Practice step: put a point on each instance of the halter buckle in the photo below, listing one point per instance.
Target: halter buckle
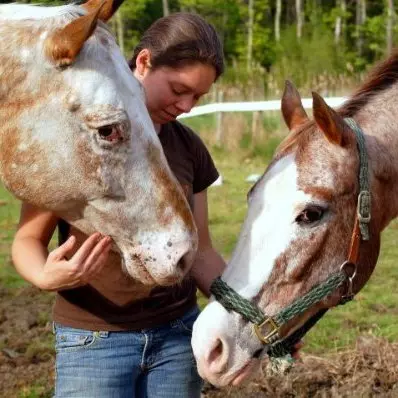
(267, 339)
(363, 206)
(350, 277)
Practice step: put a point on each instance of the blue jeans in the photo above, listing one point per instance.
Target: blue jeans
(149, 363)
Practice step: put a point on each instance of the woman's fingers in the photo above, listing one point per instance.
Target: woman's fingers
(97, 251)
(79, 258)
(97, 256)
(60, 252)
(98, 264)
(86, 262)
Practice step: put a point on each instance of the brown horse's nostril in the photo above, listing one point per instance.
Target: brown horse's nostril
(218, 356)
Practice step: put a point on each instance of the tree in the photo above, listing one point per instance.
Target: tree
(390, 24)
(278, 20)
(360, 20)
(166, 10)
(250, 35)
(300, 18)
(339, 27)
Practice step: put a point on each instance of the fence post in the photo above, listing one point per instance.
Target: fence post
(219, 117)
(256, 117)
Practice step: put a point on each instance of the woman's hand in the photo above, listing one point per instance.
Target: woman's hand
(60, 273)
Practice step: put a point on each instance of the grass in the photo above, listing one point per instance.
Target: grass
(374, 311)
(9, 210)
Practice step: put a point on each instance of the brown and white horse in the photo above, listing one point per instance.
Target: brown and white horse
(76, 137)
(300, 219)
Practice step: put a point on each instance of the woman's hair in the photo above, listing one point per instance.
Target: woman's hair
(181, 39)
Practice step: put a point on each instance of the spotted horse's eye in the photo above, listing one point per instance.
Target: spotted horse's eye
(111, 133)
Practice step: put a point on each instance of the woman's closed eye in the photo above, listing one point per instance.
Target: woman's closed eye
(178, 90)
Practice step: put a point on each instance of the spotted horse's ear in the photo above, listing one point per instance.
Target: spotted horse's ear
(63, 45)
(328, 120)
(292, 108)
(108, 8)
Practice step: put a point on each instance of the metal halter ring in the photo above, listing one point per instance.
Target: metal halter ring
(350, 278)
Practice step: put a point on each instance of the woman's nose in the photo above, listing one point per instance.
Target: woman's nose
(185, 104)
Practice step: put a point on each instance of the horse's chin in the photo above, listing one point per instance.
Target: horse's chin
(246, 373)
(141, 274)
(237, 378)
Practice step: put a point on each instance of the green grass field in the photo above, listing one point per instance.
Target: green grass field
(374, 310)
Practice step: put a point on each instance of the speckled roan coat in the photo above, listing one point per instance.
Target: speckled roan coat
(76, 138)
(301, 216)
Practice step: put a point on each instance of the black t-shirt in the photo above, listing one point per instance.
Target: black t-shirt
(115, 301)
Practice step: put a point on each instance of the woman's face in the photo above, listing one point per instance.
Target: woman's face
(173, 91)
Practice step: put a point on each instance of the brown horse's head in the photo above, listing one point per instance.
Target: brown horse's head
(296, 234)
(76, 137)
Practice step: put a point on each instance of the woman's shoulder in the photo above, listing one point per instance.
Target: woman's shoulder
(185, 134)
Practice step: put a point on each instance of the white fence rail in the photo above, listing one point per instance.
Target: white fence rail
(252, 106)
(255, 106)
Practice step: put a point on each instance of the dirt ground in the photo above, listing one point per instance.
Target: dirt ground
(26, 361)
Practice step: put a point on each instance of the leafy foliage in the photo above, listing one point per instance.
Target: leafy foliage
(320, 51)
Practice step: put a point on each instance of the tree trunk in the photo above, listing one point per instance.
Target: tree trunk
(166, 10)
(337, 24)
(390, 24)
(278, 20)
(250, 35)
(360, 20)
(344, 21)
(299, 16)
(120, 30)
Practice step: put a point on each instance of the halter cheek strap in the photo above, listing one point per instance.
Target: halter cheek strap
(267, 328)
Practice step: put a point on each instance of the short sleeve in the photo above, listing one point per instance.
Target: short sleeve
(205, 172)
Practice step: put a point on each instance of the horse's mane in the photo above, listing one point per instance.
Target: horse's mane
(383, 76)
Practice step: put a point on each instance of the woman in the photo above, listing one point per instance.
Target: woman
(114, 336)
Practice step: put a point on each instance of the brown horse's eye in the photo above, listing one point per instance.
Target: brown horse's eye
(310, 215)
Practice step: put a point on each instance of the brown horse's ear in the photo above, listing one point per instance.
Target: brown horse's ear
(328, 120)
(108, 9)
(63, 46)
(292, 108)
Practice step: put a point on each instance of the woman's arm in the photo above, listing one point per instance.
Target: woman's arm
(52, 271)
(208, 263)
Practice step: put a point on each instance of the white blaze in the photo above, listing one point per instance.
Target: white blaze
(268, 230)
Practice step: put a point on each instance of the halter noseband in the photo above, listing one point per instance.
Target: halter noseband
(267, 328)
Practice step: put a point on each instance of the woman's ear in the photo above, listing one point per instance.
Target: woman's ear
(143, 63)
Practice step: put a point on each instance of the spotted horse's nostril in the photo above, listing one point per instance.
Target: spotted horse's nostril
(184, 263)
